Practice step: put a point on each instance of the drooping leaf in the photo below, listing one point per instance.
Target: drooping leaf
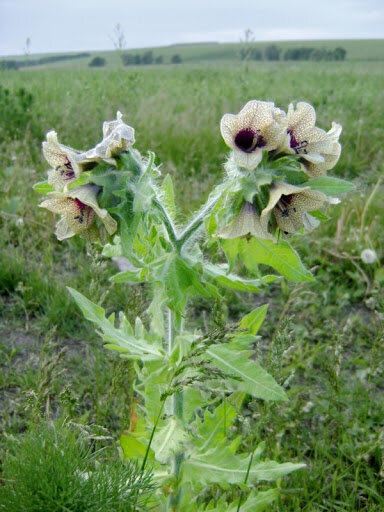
(253, 379)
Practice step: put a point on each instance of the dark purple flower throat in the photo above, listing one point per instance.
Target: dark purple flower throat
(248, 140)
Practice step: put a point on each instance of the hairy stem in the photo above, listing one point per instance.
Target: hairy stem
(197, 221)
(167, 221)
(175, 327)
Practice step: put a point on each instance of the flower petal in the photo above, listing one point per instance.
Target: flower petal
(245, 224)
(117, 137)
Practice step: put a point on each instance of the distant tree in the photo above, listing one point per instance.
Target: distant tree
(159, 59)
(176, 59)
(128, 59)
(272, 52)
(302, 53)
(9, 64)
(319, 54)
(137, 59)
(255, 54)
(97, 62)
(147, 57)
(339, 53)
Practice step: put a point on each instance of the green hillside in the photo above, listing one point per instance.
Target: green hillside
(357, 50)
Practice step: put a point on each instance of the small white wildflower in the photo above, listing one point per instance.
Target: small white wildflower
(368, 256)
(308, 407)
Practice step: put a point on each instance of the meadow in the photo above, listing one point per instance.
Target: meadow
(324, 338)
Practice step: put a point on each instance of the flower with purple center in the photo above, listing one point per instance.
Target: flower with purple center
(291, 205)
(319, 150)
(258, 127)
(79, 210)
(67, 163)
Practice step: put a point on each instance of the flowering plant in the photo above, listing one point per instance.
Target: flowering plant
(190, 384)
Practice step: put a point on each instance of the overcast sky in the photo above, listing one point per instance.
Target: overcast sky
(77, 25)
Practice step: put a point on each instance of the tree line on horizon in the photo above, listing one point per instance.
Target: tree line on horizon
(27, 62)
(274, 53)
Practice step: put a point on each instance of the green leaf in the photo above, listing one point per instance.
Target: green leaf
(168, 440)
(278, 255)
(221, 466)
(330, 186)
(133, 448)
(231, 250)
(83, 179)
(212, 429)
(43, 187)
(132, 276)
(123, 337)
(254, 380)
(182, 279)
(253, 321)
(134, 443)
(231, 281)
(255, 502)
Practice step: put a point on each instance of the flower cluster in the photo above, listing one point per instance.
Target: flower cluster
(262, 132)
(78, 207)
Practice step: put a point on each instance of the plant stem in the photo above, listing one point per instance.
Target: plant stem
(246, 478)
(196, 222)
(169, 226)
(174, 327)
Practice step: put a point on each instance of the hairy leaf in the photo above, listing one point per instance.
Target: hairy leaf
(254, 380)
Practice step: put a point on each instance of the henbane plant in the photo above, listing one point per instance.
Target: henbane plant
(191, 384)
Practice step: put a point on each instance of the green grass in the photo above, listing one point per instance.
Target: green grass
(334, 325)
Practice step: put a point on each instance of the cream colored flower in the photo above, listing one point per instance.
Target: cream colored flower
(117, 137)
(258, 127)
(320, 150)
(290, 206)
(79, 210)
(67, 163)
(246, 224)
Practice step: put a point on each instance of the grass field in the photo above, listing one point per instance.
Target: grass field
(53, 363)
